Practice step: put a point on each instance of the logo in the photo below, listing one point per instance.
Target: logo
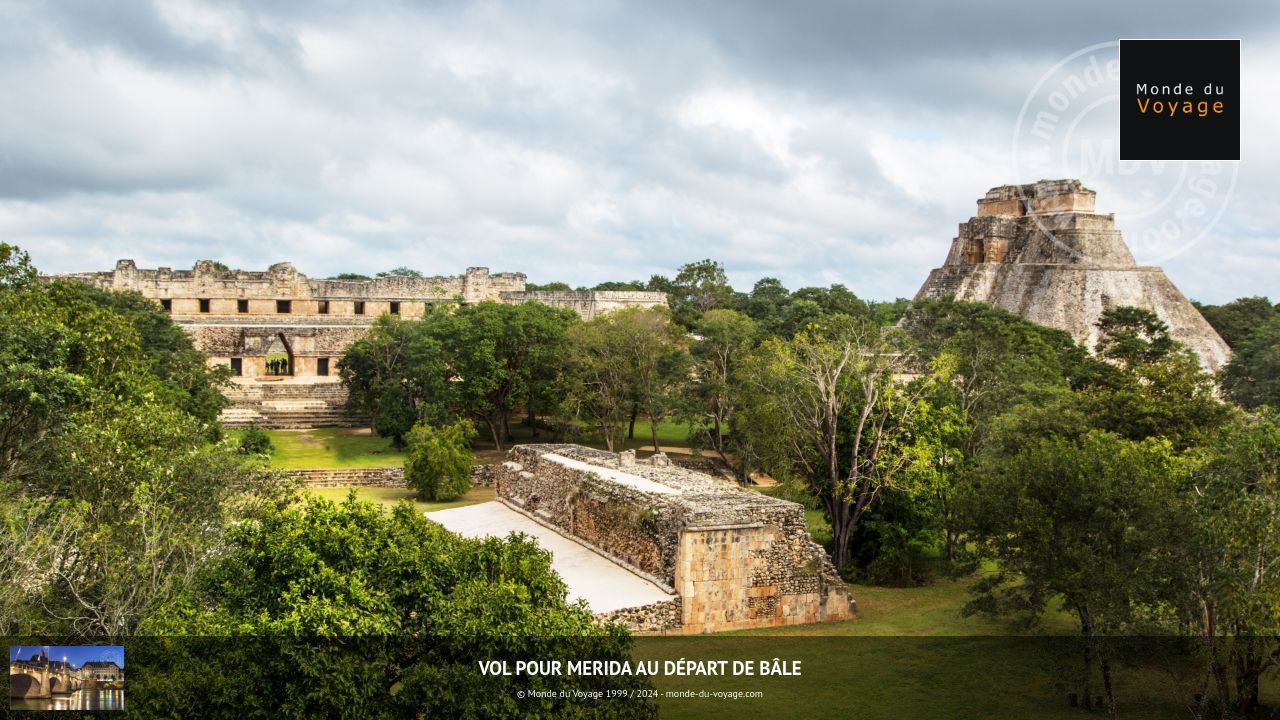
(1069, 127)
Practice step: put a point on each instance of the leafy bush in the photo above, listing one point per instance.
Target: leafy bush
(439, 462)
(348, 611)
(256, 441)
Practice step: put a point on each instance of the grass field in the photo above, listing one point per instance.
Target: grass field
(911, 655)
(343, 448)
(389, 497)
(331, 448)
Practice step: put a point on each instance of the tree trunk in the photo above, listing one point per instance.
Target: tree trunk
(1106, 686)
(631, 427)
(841, 528)
(653, 431)
(1086, 632)
(531, 418)
(506, 426)
(493, 432)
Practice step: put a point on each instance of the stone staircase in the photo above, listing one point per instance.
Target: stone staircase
(288, 406)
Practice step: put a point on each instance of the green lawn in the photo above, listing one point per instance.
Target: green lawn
(332, 448)
(910, 655)
(389, 497)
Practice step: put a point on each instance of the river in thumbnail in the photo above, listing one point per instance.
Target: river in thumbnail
(78, 700)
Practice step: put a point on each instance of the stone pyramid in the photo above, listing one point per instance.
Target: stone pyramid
(1041, 251)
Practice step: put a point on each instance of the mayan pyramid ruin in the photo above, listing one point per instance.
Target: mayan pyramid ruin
(1041, 251)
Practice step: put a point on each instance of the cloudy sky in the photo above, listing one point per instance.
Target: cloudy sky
(582, 141)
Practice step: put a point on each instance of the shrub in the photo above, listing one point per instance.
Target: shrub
(439, 461)
(255, 441)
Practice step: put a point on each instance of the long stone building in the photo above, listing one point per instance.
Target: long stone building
(282, 333)
(660, 548)
(1042, 251)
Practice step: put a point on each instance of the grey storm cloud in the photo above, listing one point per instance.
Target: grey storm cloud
(581, 141)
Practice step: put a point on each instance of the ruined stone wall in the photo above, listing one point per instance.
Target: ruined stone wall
(660, 617)
(632, 526)
(356, 477)
(241, 314)
(283, 282)
(737, 559)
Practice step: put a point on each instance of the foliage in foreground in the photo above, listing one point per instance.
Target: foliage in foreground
(347, 611)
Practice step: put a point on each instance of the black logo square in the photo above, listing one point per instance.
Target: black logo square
(1179, 99)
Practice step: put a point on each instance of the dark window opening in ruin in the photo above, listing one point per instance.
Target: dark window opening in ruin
(359, 307)
(284, 306)
(395, 308)
(167, 304)
(204, 305)
(237, 367)
(322, 366)
(242, 306)
(323, 307)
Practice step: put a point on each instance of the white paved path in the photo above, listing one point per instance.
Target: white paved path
(604, 584)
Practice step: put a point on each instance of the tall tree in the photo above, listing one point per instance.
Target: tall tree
(830, 407)
(724, 337)
(698, 287)
(1077, 518)
(624, 360)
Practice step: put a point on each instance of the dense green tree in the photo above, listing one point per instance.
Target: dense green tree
(1078, 520)
(498, 358)
(375, 370)
(766, 304)
(482, 361)
(1237, 319)
(620, 363)
(350, 276)
(994, 360)
(723, 338)
(1133, 336)
(1252, 376)
(698, 287)
(889, 312)
(555, 285)
(439, 461)
(834, 300)
(348, 611)
(1146, 384)
(1219, 552)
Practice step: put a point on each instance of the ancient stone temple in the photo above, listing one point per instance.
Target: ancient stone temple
(1041, 251)
(660, 548)
(282, 333)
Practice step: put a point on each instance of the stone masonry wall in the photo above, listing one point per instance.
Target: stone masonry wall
(356, 477)
(737, 559)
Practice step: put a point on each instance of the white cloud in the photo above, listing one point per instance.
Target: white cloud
(572, 141)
